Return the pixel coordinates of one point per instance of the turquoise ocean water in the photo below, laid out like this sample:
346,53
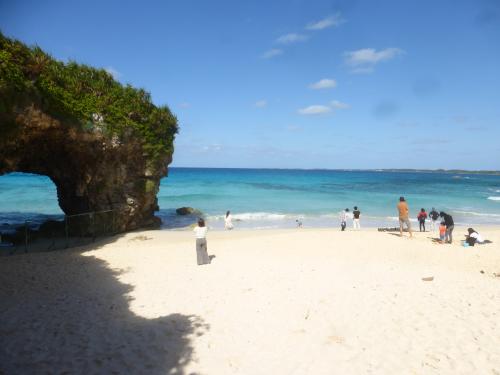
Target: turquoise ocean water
261,198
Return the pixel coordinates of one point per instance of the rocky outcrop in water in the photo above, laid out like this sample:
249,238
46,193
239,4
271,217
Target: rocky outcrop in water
188,211
104,145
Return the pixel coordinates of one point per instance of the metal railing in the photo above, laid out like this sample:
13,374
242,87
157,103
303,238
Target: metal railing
72,231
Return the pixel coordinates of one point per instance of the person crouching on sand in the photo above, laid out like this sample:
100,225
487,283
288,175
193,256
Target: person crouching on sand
228,221
473,237
403,216
200,233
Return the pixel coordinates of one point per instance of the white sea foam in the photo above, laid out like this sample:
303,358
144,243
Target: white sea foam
259,216
472,213
276,220
494,198
334,215
395,218
256,216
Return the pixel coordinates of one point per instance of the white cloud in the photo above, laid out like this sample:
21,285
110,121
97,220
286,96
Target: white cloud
319,109
272,53
371,56
335,104
215,147
325,83
291,38
184,105
115,73
261,103
334,20
364,60
315,110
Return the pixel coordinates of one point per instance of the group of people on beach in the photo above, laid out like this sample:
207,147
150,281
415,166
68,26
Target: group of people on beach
345,215
445,227
446,224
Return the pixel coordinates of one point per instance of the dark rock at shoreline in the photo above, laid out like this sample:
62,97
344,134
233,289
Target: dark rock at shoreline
188,211
52,227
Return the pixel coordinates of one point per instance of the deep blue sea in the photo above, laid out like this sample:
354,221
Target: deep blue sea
265,198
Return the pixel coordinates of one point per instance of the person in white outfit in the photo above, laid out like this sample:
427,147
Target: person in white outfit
434,216
228,221
355,218
200,232
344,215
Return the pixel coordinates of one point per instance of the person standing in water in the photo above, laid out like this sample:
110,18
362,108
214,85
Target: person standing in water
228,221
450,225
434,216
422,215
404,216
200,232
355,218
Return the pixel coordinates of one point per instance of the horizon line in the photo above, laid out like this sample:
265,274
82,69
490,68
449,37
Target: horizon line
354,169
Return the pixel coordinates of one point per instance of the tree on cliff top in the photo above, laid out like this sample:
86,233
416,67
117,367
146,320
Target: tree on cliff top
81,96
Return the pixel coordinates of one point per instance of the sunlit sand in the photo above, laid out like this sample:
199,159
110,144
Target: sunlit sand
305,301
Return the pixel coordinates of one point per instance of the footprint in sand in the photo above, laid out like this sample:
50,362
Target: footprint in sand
333,339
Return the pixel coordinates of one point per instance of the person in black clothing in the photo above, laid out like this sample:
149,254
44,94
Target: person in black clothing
448,221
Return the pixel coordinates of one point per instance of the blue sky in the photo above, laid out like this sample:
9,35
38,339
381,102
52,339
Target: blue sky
296,84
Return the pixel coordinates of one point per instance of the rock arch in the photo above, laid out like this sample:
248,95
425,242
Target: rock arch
104,145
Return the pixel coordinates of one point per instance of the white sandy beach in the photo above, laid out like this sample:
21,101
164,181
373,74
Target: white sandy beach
301,301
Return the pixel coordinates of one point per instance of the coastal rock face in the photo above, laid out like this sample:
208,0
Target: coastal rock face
91,172
105,146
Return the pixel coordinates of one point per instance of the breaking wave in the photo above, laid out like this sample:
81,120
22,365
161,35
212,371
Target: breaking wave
255,216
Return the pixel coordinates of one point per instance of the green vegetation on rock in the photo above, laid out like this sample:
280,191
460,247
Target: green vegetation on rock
81,96
150,186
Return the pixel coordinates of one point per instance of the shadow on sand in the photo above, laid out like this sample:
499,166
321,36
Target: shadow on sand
393,234
63,312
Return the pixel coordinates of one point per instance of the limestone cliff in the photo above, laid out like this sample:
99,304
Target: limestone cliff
104,145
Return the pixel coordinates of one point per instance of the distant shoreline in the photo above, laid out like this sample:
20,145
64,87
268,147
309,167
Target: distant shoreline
387,170
390,170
